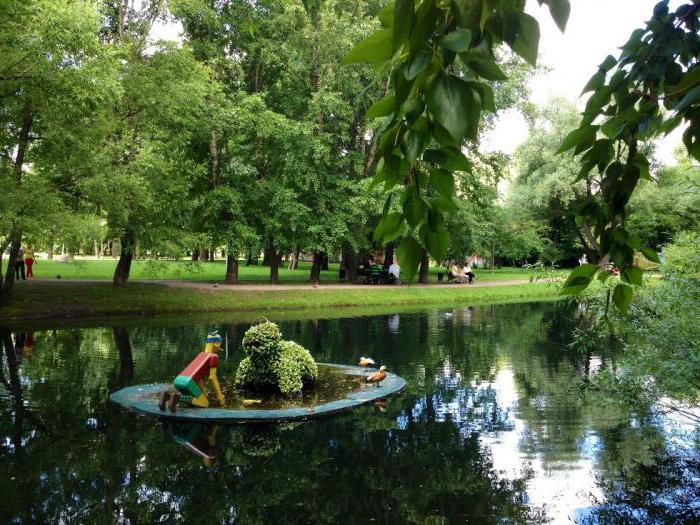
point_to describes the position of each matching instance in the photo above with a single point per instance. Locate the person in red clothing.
(29, 261)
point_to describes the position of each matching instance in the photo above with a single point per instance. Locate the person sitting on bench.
(394, 272)
(468, 273)
(456, 275)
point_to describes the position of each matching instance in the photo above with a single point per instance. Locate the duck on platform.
(377, 377)
(366, 361)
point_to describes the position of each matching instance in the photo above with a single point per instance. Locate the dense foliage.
(271, 362)
(652, 88)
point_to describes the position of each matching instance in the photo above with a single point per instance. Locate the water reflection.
(494, 427)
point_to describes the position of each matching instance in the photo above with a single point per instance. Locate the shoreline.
(85, 301)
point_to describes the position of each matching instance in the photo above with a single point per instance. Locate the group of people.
(377, 275)
(24, 264)
(461, 274)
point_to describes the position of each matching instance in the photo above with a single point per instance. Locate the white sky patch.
(596, 29)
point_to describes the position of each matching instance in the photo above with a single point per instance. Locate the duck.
(366, 361)
(377, 377)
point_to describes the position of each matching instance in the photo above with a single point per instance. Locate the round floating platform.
(144, 398)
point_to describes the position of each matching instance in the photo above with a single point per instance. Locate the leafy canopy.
(441, 64)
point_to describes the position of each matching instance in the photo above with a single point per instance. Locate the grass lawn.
(65, 300)
(189, 271)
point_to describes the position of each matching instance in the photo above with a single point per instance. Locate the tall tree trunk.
(214, 157)
(251, 259)
(16, 232)
(8, 285)
(274, 257)
(350, 265)
(231, 266)
(49, 251)
(212, 253)
(294, 260)
(315, 275)
(388, 255)
(123, 269)
(126, 358)
(324, 262)
(203, 255)
(424, 265)
(195, 254)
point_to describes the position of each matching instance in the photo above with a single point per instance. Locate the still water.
(496, 426)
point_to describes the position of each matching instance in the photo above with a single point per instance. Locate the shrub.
(296, 352)
(289, 375)
(262, 342)
(682, 257)
(271, 362)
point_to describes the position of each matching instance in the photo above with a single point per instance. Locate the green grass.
(188, 271)
(65, 300)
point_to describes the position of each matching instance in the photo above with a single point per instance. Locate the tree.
(435, 102)
(651, 89)
(143, 183)
(52, 86)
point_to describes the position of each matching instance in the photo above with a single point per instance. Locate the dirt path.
(249, 287)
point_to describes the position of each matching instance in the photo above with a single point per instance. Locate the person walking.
(19, 264)
(29, 261)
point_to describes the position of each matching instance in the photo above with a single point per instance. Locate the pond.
(495, 426)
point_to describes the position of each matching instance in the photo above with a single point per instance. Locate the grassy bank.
(65, 300)
(188, 271)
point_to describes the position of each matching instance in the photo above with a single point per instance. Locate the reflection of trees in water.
(420, 461)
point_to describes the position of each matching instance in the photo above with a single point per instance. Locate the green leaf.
(412, 146)
(632, 275)
(607, 64)
(386, 15)
(596, 81)
(403, 21)
(444, 204)
(452, 104)
(408, 254)
(484, 67)
(560, 11)
(690, 78)
(622, 297)
(389, 228)
(457, 41)
(576, 137)
(376, 48)
(642, 163)
(415, 209)
(528, 39)
(488, 100)
(443, 182)
(690, 98)
(418, 64)
(437, 243)
(426, 15)
(650, 254)
(448, 157)
(382, 107)
(579, 279)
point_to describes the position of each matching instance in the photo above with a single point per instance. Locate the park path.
(250, 287)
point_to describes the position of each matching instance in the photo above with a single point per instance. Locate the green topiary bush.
(299, 354)
(262, 341)
(272, 363)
